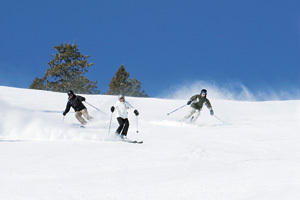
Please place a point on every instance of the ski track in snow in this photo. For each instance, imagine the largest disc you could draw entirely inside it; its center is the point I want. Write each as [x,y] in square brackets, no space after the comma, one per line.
[254,155]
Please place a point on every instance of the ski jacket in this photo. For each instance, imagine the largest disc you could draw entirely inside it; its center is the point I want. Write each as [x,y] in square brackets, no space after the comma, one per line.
[198,102]
[122,108]
[76,103]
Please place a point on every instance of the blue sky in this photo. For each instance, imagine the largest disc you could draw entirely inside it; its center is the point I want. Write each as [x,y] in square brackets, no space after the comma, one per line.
[162,43]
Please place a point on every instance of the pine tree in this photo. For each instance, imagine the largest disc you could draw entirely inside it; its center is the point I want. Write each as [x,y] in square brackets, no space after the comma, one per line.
[37,84]
[67,70]
[122,84]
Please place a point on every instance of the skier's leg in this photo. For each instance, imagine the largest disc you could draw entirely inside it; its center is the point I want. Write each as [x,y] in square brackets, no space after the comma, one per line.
[121,125]
[79,118]
[126,126]
[191,112]
[195,116]
[86,114]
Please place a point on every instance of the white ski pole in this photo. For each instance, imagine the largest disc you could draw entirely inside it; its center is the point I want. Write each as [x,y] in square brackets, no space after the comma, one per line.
[221,120]
[95,108]
[176,109]
[137,124]
[110,123]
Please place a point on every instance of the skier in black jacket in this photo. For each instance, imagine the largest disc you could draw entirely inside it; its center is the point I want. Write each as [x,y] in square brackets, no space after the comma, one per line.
[75,101]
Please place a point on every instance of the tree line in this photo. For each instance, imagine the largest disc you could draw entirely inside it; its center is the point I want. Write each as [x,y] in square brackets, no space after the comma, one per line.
[68,69]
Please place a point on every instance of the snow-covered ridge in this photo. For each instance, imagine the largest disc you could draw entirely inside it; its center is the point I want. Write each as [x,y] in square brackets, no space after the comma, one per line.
[34,114]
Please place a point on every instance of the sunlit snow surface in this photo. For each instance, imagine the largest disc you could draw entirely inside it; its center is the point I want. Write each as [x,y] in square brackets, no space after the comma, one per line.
[254,155]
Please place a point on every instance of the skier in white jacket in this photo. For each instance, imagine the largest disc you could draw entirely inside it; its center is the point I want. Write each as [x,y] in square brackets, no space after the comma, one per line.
[122,116]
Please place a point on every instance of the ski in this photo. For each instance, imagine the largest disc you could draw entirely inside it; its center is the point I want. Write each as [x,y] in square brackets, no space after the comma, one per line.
[133,141]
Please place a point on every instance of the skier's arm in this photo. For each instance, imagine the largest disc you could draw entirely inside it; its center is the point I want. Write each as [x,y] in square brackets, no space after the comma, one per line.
[81,98]
[193,98]
[67,109]
[129,106]
[208,105]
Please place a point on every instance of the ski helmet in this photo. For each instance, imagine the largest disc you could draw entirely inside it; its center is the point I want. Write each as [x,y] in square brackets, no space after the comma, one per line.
[70,92]
[121,96]
[204,91]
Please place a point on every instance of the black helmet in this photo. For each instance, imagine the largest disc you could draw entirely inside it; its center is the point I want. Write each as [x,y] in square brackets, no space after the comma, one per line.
[70,92]
[203,91]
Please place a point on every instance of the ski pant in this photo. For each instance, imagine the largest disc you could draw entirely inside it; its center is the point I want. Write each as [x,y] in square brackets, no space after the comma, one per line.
[84,112]
[123,126]
[193,113]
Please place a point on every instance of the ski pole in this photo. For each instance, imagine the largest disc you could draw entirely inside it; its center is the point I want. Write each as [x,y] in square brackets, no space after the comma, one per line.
[137,124]
[220,119]
[176,109]
[110,123]
[95,107]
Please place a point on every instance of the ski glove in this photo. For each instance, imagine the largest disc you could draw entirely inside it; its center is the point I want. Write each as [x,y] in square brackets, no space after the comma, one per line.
[136,112]
[64,113]
[189,102]
[112,109]
[211,112]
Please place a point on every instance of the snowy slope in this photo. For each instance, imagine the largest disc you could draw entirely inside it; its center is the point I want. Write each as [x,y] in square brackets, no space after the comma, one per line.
[46,156]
